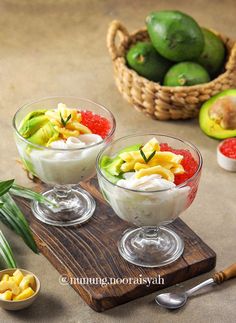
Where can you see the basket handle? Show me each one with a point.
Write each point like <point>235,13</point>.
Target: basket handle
<point>116,28</point>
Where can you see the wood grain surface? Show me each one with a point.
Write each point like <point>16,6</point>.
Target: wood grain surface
<point>90,251</point>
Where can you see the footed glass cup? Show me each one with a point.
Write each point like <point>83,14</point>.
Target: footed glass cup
<point>63,169</point>
<point>150,243</point>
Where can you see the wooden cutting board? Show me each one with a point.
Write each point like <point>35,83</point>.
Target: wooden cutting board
<point>90,251</point>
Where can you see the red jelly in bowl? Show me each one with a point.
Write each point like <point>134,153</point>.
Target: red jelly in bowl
<point>226,154</point>
<point>228,148</point>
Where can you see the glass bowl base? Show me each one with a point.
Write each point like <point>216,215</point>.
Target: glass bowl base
<point>75,208</point>
<point>151,246</point>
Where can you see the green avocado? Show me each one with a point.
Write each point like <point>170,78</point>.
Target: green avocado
<point>114,166</point>
<point>209,126</point>
<point>32,125</point>
<point>186,74</point>
<point>27,125</point>
<point>105,162</point>
<point>45,135</point>
<point>111,166</point>
<point>175,35</point>
<point>145,60</point>
<point>212,57</point>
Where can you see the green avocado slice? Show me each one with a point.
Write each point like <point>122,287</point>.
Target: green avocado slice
<point>104,164</point>
<point>45,135</point>
<point>32,122</point>
<point>114,166</point>
<point>33,125</point>
<point>208,125</point>
<point>111,166</point>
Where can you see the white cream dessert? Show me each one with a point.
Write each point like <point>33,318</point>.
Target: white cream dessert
<point>66,157</point>
<point>145,192</point>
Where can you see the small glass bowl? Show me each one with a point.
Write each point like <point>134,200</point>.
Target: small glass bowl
<point>150,244</point>
<point>62,168</point>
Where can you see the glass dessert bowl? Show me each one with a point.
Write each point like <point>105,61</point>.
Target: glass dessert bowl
<point>58,140</point>
<point>149,180</point>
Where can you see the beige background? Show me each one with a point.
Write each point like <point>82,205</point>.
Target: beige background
<point>58,48</point>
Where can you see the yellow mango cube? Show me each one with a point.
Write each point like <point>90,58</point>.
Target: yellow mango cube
<point>78,126</point>
<point>128,166</point>
<point>151,145</point>
<point>163,163</point>
<point>131,156</point>
<point>27,281</point>
<point>11,285</point>
<point>177,169</point>
<point>77,117</point>
<point>53,116</point>
<point>163,172</point>
<point>74,114</point>
<point>18,276</point>
<point>63,111</point>
<point>6,296</point>
<point>5,277</point>
<point>12,279</point>
<point>66,133</point>
<point>139,166</point>
<point>24,294</point>
<point>4,285</point>
<point>167,165</point>
<point>167,156</point>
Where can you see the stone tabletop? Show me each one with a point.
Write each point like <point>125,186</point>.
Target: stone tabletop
<point>57,47</point>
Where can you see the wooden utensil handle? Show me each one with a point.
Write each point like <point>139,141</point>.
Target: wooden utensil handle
<point>225,274</point>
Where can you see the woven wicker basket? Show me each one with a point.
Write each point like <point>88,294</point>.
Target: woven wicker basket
<point>155,100</point>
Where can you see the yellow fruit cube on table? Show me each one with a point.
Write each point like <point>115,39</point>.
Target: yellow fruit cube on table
<point>24,294</point>
<point>4,285</point>
<point>9,285</point>
<point>5,277</point>
<point>6,296</point>
<point>27,281</point>
<point>18,276</point>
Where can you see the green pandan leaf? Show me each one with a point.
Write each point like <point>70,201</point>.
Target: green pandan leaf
<point>6,252</point>
<point>26,193</point>
<point>145,158</point>
<point>5,186</point>
<point>12,216</point>
<point>65,121</point>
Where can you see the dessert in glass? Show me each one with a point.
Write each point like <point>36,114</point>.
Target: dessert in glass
<point>149,180</point>
<point>58,140</point>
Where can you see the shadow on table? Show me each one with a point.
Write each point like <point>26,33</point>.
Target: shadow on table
<point>44,307</point>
